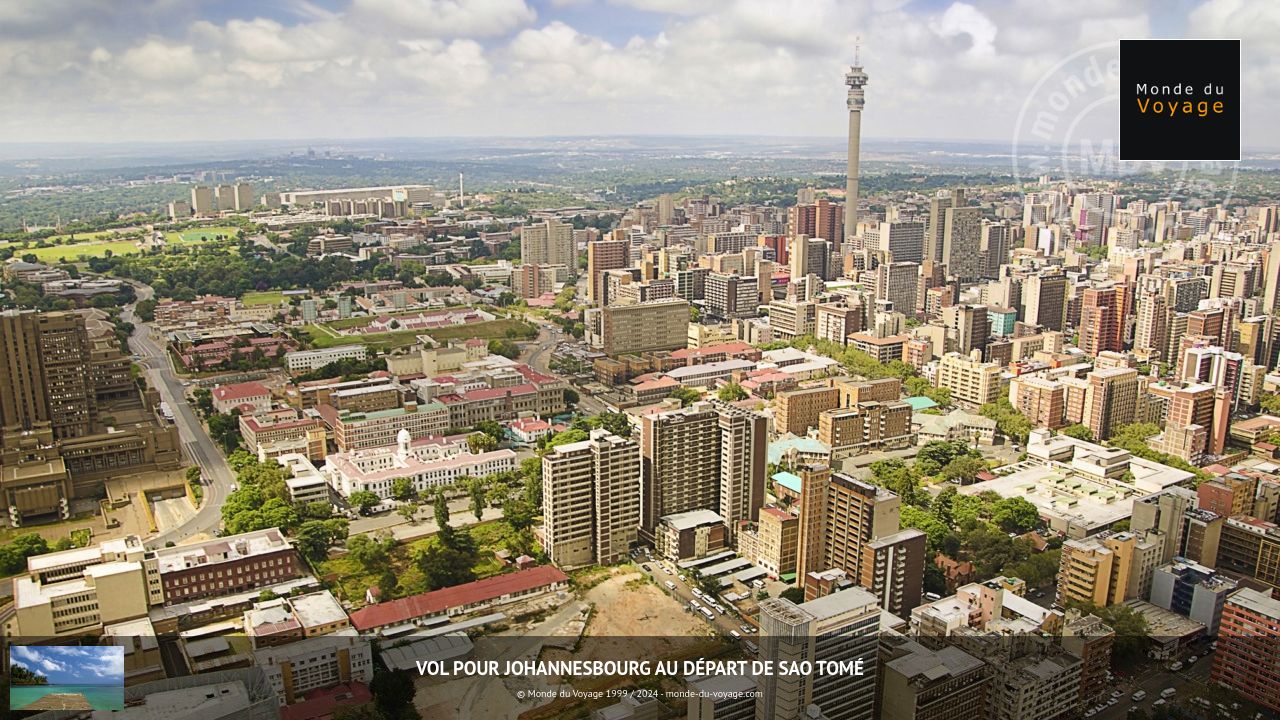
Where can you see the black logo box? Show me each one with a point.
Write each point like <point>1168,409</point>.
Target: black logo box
<point>1191,66</point>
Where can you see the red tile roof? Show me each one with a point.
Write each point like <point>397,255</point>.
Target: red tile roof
<point>438,601</point>
<point>240,391</point>
<point>323,702</point>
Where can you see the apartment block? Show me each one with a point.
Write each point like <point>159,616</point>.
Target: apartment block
<point>1106,569</point>
<point>644,327</point>
<point>866,426</point>
<point>548,243</point>
<point>602,256</point>
<point>920,683</point>
<point>796,411</point>
<point>972,382</point>
<point>1250,546</point>
<point>1245,660</point>
<point>591,500</point>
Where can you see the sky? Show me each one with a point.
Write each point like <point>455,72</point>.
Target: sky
<point>209,70</point>
<point>98,665</point>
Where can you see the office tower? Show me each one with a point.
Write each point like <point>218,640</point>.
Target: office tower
<point>709,456</point>
<point>1211,323</point>
<point>841,627</point>
<point>995,247</point>
<point>920,683</point>
<point>902,239</point>
<point>643,327</point>
<point>1150,334</point>
<point>972,382</point>
<point>856,79</point>
<point>820,219</point>
<point>1106,569</point>
<point>1245,660</point>
<point>1188,423</point>
<point>969,326</point>
<point>179,210</point>
<point>730,296</point>
<point>961,243</point>
<point>202,200</point>
<point>1044,298</point>
<point>243,197</point>
<point>225,196</point>
<point>1160,518</point>
<point>744,441</point>
<point>1233,280</point>
<point>935,234</point>
<point>1111,400</point>
<point>45,374</point>
<point>792,318</point>
<point>898,283</point>
<point>798,249</point>
<point>1101,321</point>
<point>591,500</point>
<point>1192,590</point>
<point>604,255</point>
<point>666,207</point>
<point>548,243</point>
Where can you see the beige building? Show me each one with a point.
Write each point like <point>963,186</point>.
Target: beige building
<point>356,430</point>
<point>1106,569</point>
<point>644,327</point>
<point>791,318</point>
<point>1111,400</point>
<point>77,592</point>
<point>772,542</point>
<point>920,683</point>
<point>548,243</point>
<point>591,500</point>
<point>796,411</point>
<point>972,382</point>
<point>865,426</point>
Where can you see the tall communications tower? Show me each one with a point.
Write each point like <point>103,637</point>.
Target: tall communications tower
<point>856,79</point>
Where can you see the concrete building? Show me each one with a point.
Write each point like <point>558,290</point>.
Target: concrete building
<point>1111,400</point>
<point>690,535</point>
<point>920,683</point>
<point>548,243</point>
<point>1106,569</point>
<point>1247,638</point>
<point>644,327</point>
<point>896,572</point>
<point>602,256</point>
<point>357,430</point>
<point>972,382</point>
<point>898,283</point>
<point>796,411</point>
<point>866,426</point>
<point>298,668</point>
<point>299,361</point>
<point>1250,546</point>
<point>202,201</point>
<point>730,296</point>
<point>772,542</point>
<point>838,627</point>
<point>856,80</point>
<point>227,565</point>
<point>591,500</point>
<point>1191,589</point>
<point>428,462</point>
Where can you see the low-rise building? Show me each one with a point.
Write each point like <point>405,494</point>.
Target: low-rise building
<point>227,565</point>
<point>428,462</point>
<point>357,430</point>
<point>248,397</point>
<point>300,361</point>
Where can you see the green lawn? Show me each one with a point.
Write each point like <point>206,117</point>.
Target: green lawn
<point>270,297</point>
<point>400,338</point>
<point>198,235</point>
<point>88,250</point>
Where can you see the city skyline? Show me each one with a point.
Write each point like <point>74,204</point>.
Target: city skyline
<point>433,68</point>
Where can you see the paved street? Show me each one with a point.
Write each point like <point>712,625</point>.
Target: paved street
<point>198,447</point>
<point>725,624</point>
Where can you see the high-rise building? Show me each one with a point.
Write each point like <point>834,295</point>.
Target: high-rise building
<point>935,234</point>
<point>44,368</point>
<point>225,196</point>
<point>903,240</point>
<point>602,256</point>
<point>996,238</point>
<point>1044,298</point>
<point>591,500</point>
<point>644,327</point>
<point>898,282</point>
<point>1111,400</point>
<point>968,326</point>
<point>243,197</point>
<point>548,243</point>
<point>961,243</point>
<point>202,201</point>
<point>1106,569</point>
<point>1091,640</point>
<point>1193,590</point>
<point>856,80</point>
<point>866,426</point>
<point>796,411</point>
<point>841,627</point>
<point>820,219</point>
<point>709,456</point>
<point>896,572</point>
<point>1101,321</point>
<point>1040,400</point>
<point>1245,660</point>
<point>730,296</point>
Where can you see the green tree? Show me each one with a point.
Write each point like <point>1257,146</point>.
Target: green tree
<point>193,474</point>
<point>314,538</point>
<point>408,511</point>
<point>731,392</point>
<point>477,491</point>
<point>402,489</point>
<point>1078,431</point>
<point>686,395</point>
<point>481,443</point>
<point>963,469</point>
<point>1270,403</point>
<point>934,529</point>
<point>504,347</point>
<point>445,562</point>
<point>794,594</point>
<point>518,513</point>
<point>13,557</point>
<point>365,500</point>
<point>370,552</point>
<point>1016,514</point>
<point>490,428</point>
<point>393,695</point>
<point>616,423</point>
<point>440,508</point>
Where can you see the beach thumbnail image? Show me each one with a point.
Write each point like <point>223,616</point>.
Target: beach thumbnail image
<point>66,678</point>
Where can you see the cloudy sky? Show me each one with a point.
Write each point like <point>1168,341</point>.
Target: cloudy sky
<point>98,70</point>
<point>98,665</point>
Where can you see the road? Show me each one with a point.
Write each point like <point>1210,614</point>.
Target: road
<point>198,447</point>
<point>539,358</point>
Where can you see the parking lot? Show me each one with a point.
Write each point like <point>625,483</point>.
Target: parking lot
<point>724,621</point>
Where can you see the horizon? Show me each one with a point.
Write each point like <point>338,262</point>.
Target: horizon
<point>98,665</point>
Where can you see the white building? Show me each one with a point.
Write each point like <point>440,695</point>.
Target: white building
<point>317,662</point>
<point>307,484</point>
<point>428,462</point>
<point>305,360</point>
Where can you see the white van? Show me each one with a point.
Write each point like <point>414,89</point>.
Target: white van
<point>1139,696</point>
<point>1168,693</point>
<point>708,613</point>
<point>670,585</point>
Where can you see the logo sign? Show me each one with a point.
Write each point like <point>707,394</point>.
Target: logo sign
<point>1180,100</point>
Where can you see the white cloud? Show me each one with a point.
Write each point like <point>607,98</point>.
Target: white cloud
<point>160,60</point>
<point>446,18</point>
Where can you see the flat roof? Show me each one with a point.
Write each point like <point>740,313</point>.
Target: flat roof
<point>220,550</point>
<point>691,519</point>
<point>790,481</point>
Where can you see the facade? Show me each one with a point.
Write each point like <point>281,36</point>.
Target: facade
<point>796,411</point>
<point>1194,590</point>
<point>644,327</point>
<point>602,256</point>
<point>1245,660</point>
<point>255,395</point>
<point>227,565</point>
<point>920,683</point>
<point>1106,569</point>
<point>276,432</point>
<point>591,500</point>
<point>300,361</point>
<point>357,430</point>
<point>896,571</point>
<point>838,627</point>
<point>730,296</point>
<point>548,243</point>
<point>459,600</point>
<point>298,668</point>
<point>972,382</point>
<point>772,542</point>
<point>1111,400</point>
<point>866,426</point>
<point>428,463</point>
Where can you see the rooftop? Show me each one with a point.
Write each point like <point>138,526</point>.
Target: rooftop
<point>458,596</point>
<point>1254,601</point>
<point>220,550</point>
<point>691,519</point>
